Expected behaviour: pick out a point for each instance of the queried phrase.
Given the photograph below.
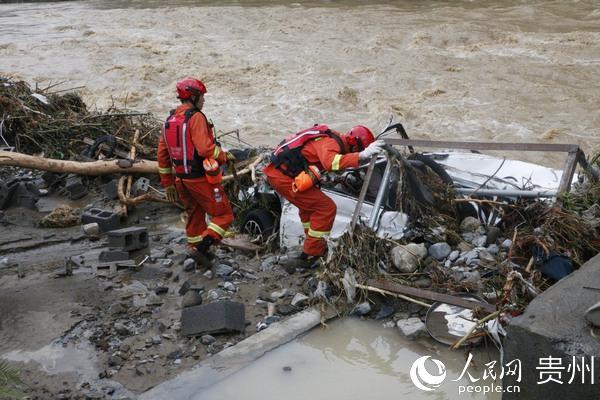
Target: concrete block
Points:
(127, 239)
(113, 255)
(74, 188)
(106, 220)
(24, 195)
(140, 186)
(6, 191)
(110, 189)
(218, 317)
(554, 325)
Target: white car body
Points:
(468, 170)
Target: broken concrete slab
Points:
(223, 364)
(217, 317)
(113, 255)
(128, 239)
(554, 325)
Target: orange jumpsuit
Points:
(317, 211)
(196, 194)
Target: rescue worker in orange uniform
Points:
(185, 148)
(297, 160)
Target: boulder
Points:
(191, 298)
(469, 224)
(439, 251)
(406, 257)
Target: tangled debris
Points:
(521, 249)
(59, 124)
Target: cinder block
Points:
(106, 220)
(140, 186)
(74, 188)
(6, 191)
(24, 195)
(218, 317)
(111, 189)
(128, 239)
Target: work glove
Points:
(373, 149)
(230, 157)
(171, 193)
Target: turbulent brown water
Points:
(503, 71)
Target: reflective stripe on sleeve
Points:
(166, 170)
(216, 228)
(335, 165)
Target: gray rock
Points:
(411, 327)
(153, 300)
(278, 294)
(156, 340)
(361, 309)
(207, 339)
(322, 291)
(218, 317)
(479, 241)
(114, 361)
(299, 300)
(493, 249)
(406, 257)
(223, 270)
(215, 294)
(122, 329)
(439, 251)
(189, 265)
(191, 298)
(493, 232)
(268, 263)
(166, 262)
(230, 287)
(506, 244)
(208, 274)
(423, 283)
(469, 224)
(470, 256)
(453, 255)
(385, 311)
(447, 263)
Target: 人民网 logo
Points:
(422, 379)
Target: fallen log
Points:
(93, 168)
(97, 168)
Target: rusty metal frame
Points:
(575, 155)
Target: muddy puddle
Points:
(351, 359)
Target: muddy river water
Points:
(486, 70)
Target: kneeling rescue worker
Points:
(188, 159)
(294, 173)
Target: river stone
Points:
(207, 339)
(453, 255)
(278, 294)
(479, 241)
(439, 251)
(493, 233)
(230, 287)
(506, 244)
(299, 300)
(469, 224)
(189, 265)
(361, 309)
(406, 258)
(493, 249)
(223, 270)
(411, 327)
(153, 300)
(191, 298)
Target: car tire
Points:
(259, 224)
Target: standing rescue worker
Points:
(188, 159)
(294, 174)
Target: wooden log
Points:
(94, 168)
(97, 168)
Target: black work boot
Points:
(303, 261)
(200, 253)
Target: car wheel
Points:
(259, 224)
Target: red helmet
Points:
(360, 136)
(188, 87)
